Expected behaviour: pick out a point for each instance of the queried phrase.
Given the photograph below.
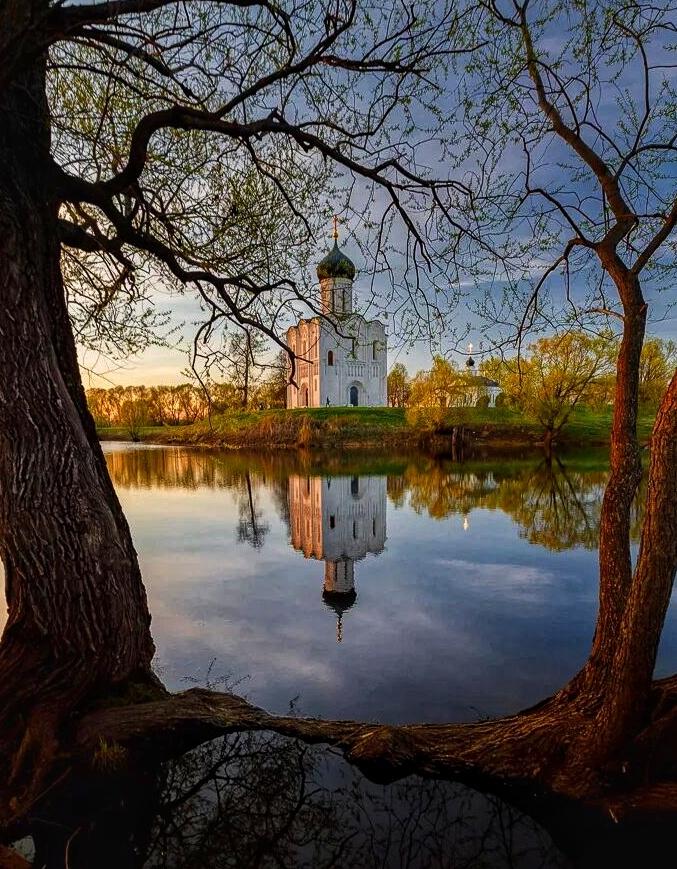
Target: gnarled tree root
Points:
(544, 749)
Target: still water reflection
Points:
(398, 589)
(258, 800)
(454, 591)
(267, 801)
(338, 521)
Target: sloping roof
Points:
(486, 381)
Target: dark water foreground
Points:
(396, 590)
(260, 800)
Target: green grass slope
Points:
(375, 427)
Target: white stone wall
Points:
(304, 339)
(339, 577)
(336, 296)
(352, 355)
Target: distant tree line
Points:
(554, 375)
(133, 407)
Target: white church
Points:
(341, 357)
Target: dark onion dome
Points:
(470, 363)
(339, 601)
(336, 265)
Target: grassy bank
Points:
(374, 427)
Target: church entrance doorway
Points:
(353, 396)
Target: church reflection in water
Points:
(338, 520)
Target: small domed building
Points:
(341, 357)
(479, 385)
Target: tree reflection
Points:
(554, 505)
(185, 468)
(251, 527)
(259, 800)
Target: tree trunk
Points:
(595, 681)
(78, 616)
(548, 443)
(647, 602)
(626, 469)
(613, 690)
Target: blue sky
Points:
(166, 364)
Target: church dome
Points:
(339, 601)
(336, 265)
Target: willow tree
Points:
(152, 140)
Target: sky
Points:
(166, 365)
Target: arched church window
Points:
(374, 348)
(355, 487)
(373, 527)
(354, 530)
(354, 348)
(330, 357)
(332, 521)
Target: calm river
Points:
(467, 590)
(394, 589)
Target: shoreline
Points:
(462, 431)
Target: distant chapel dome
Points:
(336, 265)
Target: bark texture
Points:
(626, 467)
(78, 616)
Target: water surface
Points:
(383, 588)
(398, 589)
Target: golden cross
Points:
(469, 348)
(336, 227)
